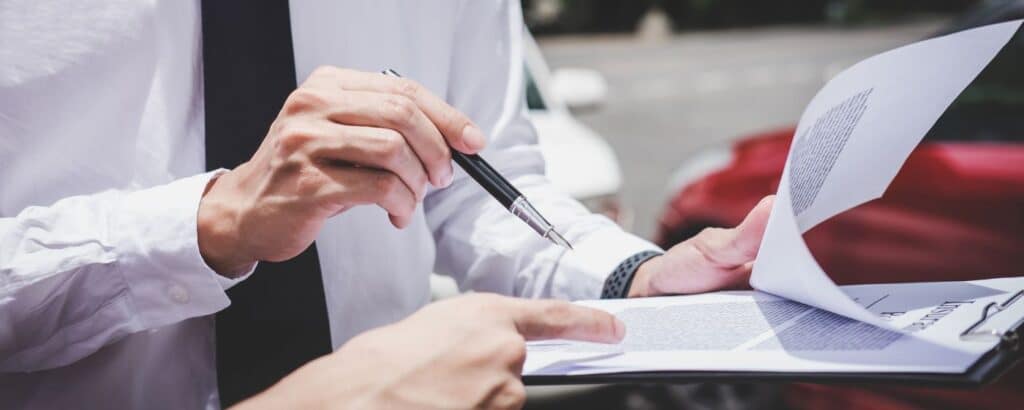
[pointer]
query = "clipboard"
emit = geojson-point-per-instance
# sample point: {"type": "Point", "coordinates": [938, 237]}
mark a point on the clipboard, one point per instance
{"type": "Point", "coordinates": [987, 369]}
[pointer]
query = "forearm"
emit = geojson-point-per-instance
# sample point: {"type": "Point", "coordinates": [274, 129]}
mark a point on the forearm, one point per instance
{"type": "Point", "coordinates": [88, 270]}
{"type": "Point", "coordinates": [485, 248]}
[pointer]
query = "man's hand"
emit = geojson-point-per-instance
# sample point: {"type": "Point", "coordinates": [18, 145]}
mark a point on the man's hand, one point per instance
{"type": "Point", "coordinates": [460, 353]}
{"type": "Point", "coordinates": [343, 138]}
{"type": "Point", "coordinates": [714, 259]}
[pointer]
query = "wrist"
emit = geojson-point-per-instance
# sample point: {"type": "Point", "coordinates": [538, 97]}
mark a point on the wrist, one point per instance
{"type": "Point", "coordinates": [622, 282]}
{"type": "Point", "coordinates": [218, 238]}
{"type": "Point", "coordinates": [641, 286]}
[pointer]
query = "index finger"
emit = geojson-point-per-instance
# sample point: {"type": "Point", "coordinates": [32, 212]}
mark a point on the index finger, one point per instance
{"type": "Point", "coordinates": [555, 319]}
{"type": "Point", "coordinates": [460, 132]}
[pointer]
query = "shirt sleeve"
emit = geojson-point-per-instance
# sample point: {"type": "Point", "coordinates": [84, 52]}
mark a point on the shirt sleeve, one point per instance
{"type": "Point", "coordinates": [480, 244]}
{"type": "Point", "coordinates": [89, 270]}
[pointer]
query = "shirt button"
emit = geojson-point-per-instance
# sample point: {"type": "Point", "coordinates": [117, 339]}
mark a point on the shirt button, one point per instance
{"type": "Point", "coordinates": [178, 294]}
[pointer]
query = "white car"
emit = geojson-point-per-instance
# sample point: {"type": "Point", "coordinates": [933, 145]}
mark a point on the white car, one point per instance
{"type": "Point", "coordinates": [579, 161]}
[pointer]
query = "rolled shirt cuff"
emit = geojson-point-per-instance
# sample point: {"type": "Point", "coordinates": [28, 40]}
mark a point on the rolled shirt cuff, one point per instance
{"type": "Point", "coordinates": [156, 236]}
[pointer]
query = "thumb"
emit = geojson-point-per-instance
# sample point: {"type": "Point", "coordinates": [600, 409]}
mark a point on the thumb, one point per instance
{"type": "Point", "coordinates": [751, 230]}
{"type": "Point", "coordinates": [555, 319]}
{"type": "Point", "coordinates": [729, 248]}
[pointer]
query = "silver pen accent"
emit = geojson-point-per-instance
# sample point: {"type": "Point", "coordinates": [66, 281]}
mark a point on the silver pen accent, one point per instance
{"type": "Point", "coordinates": [525, 211]}
{"type": "Point", "coordinates": [503, 191]}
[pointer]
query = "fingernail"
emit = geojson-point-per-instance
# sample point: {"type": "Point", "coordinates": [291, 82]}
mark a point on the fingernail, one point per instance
{"type": "Point", "coordinates": [620, 330]}
{"type": "Point", "coordinates": [473, 137]}
{"type": "Point", "coordinates": [447, 179]}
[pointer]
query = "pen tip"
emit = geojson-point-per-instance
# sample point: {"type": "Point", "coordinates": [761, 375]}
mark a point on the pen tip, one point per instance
{"type": "Point", "coordinates": [557, 238]}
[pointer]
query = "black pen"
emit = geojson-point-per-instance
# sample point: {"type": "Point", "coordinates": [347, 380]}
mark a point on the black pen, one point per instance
{"type": "Point", "coordinates": [503, 191]}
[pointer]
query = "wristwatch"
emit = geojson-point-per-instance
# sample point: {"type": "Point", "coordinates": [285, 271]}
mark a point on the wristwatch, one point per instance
{"type": "Point", "coordinates": [616, 286]}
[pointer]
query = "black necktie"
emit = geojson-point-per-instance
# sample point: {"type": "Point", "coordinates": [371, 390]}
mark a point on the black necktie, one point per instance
{"type": "Point", "coordinates": [277, 320]}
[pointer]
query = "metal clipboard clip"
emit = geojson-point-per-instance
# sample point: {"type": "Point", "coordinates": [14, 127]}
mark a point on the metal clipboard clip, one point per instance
{"type": "Point", "coordinates": [1007, 338]}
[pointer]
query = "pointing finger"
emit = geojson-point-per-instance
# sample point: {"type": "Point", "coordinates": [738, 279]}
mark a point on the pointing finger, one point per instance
{"type": "Point", "coordinates": [552, 319]}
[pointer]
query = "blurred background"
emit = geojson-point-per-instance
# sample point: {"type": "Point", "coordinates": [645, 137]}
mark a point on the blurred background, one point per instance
{"type": "Point", "coordinates": [666, 79]}
{"type": "Point", "coordinates": [671, 116]}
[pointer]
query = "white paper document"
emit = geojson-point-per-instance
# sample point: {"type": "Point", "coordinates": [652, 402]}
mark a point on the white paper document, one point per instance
{"type": "Point", "coordinates": [850, 142]}
{"type": "Point", "coordinates": [755, 331]}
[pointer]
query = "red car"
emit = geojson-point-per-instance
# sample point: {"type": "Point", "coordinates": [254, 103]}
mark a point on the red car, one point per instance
{"type": "Point", "coordinates": [954, 212]}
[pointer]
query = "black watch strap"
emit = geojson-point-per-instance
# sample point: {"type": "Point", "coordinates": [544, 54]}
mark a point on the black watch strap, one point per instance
{"type": "Point", "coordinates": [617, 284]}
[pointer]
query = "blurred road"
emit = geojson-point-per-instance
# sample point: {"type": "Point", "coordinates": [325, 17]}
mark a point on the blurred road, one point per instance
{"type": "Point", "coordinates": [670, 98]}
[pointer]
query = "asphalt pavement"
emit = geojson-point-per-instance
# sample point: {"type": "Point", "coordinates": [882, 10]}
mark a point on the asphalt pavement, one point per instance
{"type": "Point", "coordinates": [670, 98]}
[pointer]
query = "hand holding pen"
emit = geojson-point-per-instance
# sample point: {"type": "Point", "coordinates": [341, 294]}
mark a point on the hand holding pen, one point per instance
{"type": "Point", "coordinates": [503, 191]}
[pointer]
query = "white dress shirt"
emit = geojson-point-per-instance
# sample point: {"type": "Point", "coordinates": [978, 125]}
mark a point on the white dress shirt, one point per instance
{"type": "Point", "coordinates": [105, 301]}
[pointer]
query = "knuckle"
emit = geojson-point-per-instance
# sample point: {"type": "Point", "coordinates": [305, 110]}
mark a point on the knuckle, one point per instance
{"type": "Point", "coordinates": [742, 250]}
{"type": "Point", "coordinates": [554, 319]}
{"type": "Point", "coordinates": [488, 305]}
{"type": "Point", "coordinates": [309, 182]}
{"type": "Point", "coordinates": [511, 395]}
{"type": "Point", "coordinates": [400, 110]}
{"type": "Point", "coordinates": [706, 239]}
{"type": "Point", "coordinates": [392, 146]}
{"type": "Point", "coordinates": [517, 391]}
{"type": "Point", "coordinates": [303, 99]}
{"type": "Point", "coordinates": [387, 182]}
{"type": "Point", "coordinates": [446, 155]}
{"type": "Point", "coordinates": [708, 231]}
{"type": "Point", "coordinates": [324, 71]}
{"type": "Point", "coordinates": [722, 246]}
{"type": "Point", "coordinates": [287, 165]}
{"type": "Point", "coordinates": [558, 314]}
{"type": "Point", "coordinates": [408, 88]}
{"type": "Point", "coordinates": [514, 347]}
{"type": "Point", "coordinates": [489, 300]}
{"type": "Point", "coordinates": [291, 139]}
{"type": "Point", "coordinates": [421, 181]}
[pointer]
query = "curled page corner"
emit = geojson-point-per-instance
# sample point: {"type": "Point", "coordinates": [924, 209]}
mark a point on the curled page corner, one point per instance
{"type": "Point", "coordinates": [851, 141]}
